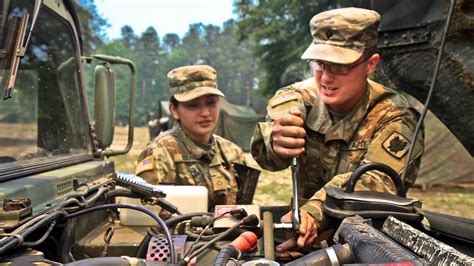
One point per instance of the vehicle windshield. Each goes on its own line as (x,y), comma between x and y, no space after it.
(43,121)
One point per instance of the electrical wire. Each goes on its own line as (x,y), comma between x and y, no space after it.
(138,208)
(251,219)
(43,238)
(430,92)
(190,250)
(171,222)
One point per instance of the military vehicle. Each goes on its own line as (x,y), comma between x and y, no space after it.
(59,187)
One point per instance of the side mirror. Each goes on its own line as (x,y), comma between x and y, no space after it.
(104,105)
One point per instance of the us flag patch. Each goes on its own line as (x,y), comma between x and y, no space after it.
(282,99)
(144,165)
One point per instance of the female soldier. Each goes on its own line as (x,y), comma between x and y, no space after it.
(189,154)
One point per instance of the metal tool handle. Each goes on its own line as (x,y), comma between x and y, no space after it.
(295,212)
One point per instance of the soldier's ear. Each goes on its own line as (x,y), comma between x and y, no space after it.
(372,63)
(174,112)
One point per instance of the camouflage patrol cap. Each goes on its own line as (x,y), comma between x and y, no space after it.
(341,35)
(190,82)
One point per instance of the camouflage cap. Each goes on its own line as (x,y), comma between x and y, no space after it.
(190,82)
(341,35)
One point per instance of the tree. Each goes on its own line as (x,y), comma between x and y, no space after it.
(170,42)
(128,36)
(92,25)
(280,30)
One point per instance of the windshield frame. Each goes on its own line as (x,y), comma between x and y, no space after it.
(17,169)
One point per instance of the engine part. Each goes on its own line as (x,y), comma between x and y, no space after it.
(186,198)
(335,255)
(159,250)
(437,253)
(268,239)
(370,245)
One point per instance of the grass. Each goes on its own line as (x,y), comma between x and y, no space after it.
(274,188)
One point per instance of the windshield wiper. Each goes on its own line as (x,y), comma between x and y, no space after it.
(19,48)
(18,52)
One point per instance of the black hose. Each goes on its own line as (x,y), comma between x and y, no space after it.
(177,219)
(225,255)
(66,241)
(380,167)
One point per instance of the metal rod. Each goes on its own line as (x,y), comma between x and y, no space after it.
(295,212)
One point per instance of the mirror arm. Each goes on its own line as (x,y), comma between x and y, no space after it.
(131,111)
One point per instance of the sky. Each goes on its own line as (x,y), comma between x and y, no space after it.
(166,16)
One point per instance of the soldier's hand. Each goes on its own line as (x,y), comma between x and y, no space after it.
(308,232)
(288,134)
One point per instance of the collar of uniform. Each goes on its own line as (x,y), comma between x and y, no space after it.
(319,120)
(346,128)
(195,150)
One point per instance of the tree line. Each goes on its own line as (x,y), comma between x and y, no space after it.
(254,55)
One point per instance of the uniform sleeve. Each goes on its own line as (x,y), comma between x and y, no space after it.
(156,165)
(262,151)
(261,146)
(389,146)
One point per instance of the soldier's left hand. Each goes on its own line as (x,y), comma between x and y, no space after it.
(308,232)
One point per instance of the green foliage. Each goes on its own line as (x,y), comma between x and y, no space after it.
(254,55)
(280,28)
(92,25)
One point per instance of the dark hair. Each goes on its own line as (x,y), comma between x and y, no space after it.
(370,51)
(174,102)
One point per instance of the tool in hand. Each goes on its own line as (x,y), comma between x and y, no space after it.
(295,212)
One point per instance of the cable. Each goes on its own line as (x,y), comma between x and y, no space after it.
(143,247)
(430,92)
(13,240)
(138,208)
(239,213)
(249,220)
(39,241)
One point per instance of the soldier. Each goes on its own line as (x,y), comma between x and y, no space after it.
(337,120)
(189,154)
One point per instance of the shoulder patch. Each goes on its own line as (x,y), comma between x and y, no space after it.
(282,99)
(396,145)
(144,165)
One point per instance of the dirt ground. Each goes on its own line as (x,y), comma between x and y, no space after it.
(274,188)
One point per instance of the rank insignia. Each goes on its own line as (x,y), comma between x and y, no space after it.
(396,144)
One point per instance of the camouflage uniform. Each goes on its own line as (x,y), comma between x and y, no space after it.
(378,129)
(174,158)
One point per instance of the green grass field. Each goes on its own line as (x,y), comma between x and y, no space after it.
(274,188)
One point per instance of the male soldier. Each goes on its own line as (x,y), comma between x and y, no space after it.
(189,154)
(337,120)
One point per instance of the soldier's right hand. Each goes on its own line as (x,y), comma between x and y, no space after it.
(288,134)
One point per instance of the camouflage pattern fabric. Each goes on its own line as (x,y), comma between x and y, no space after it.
(190,82)
(379,129)
(341,35)
(173,158)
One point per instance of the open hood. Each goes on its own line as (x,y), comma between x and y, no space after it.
(409,39)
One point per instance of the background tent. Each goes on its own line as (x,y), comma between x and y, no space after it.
(237,123)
